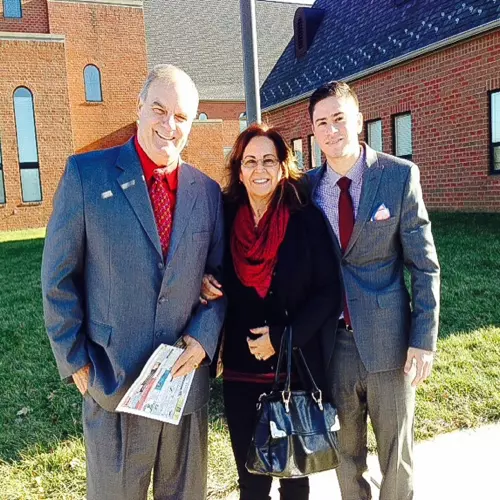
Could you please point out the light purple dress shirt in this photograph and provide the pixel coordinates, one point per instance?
(328, 192)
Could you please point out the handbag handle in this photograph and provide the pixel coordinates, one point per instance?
(286, 346)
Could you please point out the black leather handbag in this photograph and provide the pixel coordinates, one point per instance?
(296, 432)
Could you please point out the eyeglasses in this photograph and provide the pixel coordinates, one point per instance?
(268, 163)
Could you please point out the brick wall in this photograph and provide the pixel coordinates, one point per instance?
(447, 94)
(229, 112)
(205, 148)
(112, 38)
(41, 67)
(34, 18)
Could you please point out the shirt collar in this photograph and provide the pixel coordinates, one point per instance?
(149, 166)
(355, 173)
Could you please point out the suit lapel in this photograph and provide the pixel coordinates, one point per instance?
(186, 196)
(371, 181)
(132, 183)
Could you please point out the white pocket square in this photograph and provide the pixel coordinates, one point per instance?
(382, 213)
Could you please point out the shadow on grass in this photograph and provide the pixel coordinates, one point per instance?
(39, 412)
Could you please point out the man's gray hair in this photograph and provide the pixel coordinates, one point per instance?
(169, 74)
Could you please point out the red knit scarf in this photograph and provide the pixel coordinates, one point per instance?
(255, 249)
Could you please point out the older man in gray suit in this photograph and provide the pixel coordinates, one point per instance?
(133, 230)
(383, 347)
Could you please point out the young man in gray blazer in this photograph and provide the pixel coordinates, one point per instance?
(385, 340)
(133, 230)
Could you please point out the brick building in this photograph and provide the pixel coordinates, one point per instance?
(204, 39)
(427, 75)
(71, 72)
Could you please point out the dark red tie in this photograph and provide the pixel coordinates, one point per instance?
(346, 224)
(162, 209)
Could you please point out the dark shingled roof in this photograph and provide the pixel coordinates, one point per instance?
(356, 35)
(203, 37)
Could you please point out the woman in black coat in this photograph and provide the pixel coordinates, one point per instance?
(280, 269)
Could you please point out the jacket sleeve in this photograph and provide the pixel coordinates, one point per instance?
(206, 323)
(62, 274)
(325, 296)
(421, 260)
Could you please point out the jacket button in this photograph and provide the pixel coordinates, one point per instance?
(270, 292)
(160, 265)
(162, 299)
(159, 333)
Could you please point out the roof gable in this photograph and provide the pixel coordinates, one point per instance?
(204, 39)
(357, 35)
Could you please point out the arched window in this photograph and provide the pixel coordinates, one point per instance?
(27, 146)
(243, 122)
(12, 8)
(203, 117)
(92, 80)
(2, 185)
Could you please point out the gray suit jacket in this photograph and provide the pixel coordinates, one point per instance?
(385, 321)
(109, 299)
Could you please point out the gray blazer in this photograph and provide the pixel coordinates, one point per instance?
(109, 299)
(385, 321)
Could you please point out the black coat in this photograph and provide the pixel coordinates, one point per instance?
(305, 292)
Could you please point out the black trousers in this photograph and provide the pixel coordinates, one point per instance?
(240, 399)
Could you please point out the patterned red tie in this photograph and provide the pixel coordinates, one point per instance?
(346, 224)
(162, 209)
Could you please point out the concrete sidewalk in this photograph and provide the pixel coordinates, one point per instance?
(461, 465)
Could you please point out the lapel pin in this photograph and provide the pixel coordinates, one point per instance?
(128, 184)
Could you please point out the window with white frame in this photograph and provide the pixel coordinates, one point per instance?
(27, 145)
(315, 160)
(12, 9)
(374, 134)
(92, 81)
(203, 117)
(495, 131)
(2, 184)
(297, 149)
(243, 122)
(402, 128)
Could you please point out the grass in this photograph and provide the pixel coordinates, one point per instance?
(41, 449)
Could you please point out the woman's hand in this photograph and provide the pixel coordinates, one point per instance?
(211, 289)
(261, 348)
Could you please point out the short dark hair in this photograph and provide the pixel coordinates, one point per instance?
(333, 88)
(291, 190)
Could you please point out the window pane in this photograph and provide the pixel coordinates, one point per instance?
(30, 181)
(403, 135)
(2, 185)
(243, 122)
(203, 117)
(25, 126)
(495, 117)
(2, 188)
(12, 8)
(297, 149)
(315, 152)
(92, 78)
(375, 135)
(227, 151)
(496, 158)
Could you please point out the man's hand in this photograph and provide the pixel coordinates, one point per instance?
(261, 348)
(423, 361)
(190, 359)
(81, 379)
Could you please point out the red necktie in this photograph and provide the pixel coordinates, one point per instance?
(346, 224)
(161, 207)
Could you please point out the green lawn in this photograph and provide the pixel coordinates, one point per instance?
(41, 451)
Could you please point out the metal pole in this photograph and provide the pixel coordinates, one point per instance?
(250, 60)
